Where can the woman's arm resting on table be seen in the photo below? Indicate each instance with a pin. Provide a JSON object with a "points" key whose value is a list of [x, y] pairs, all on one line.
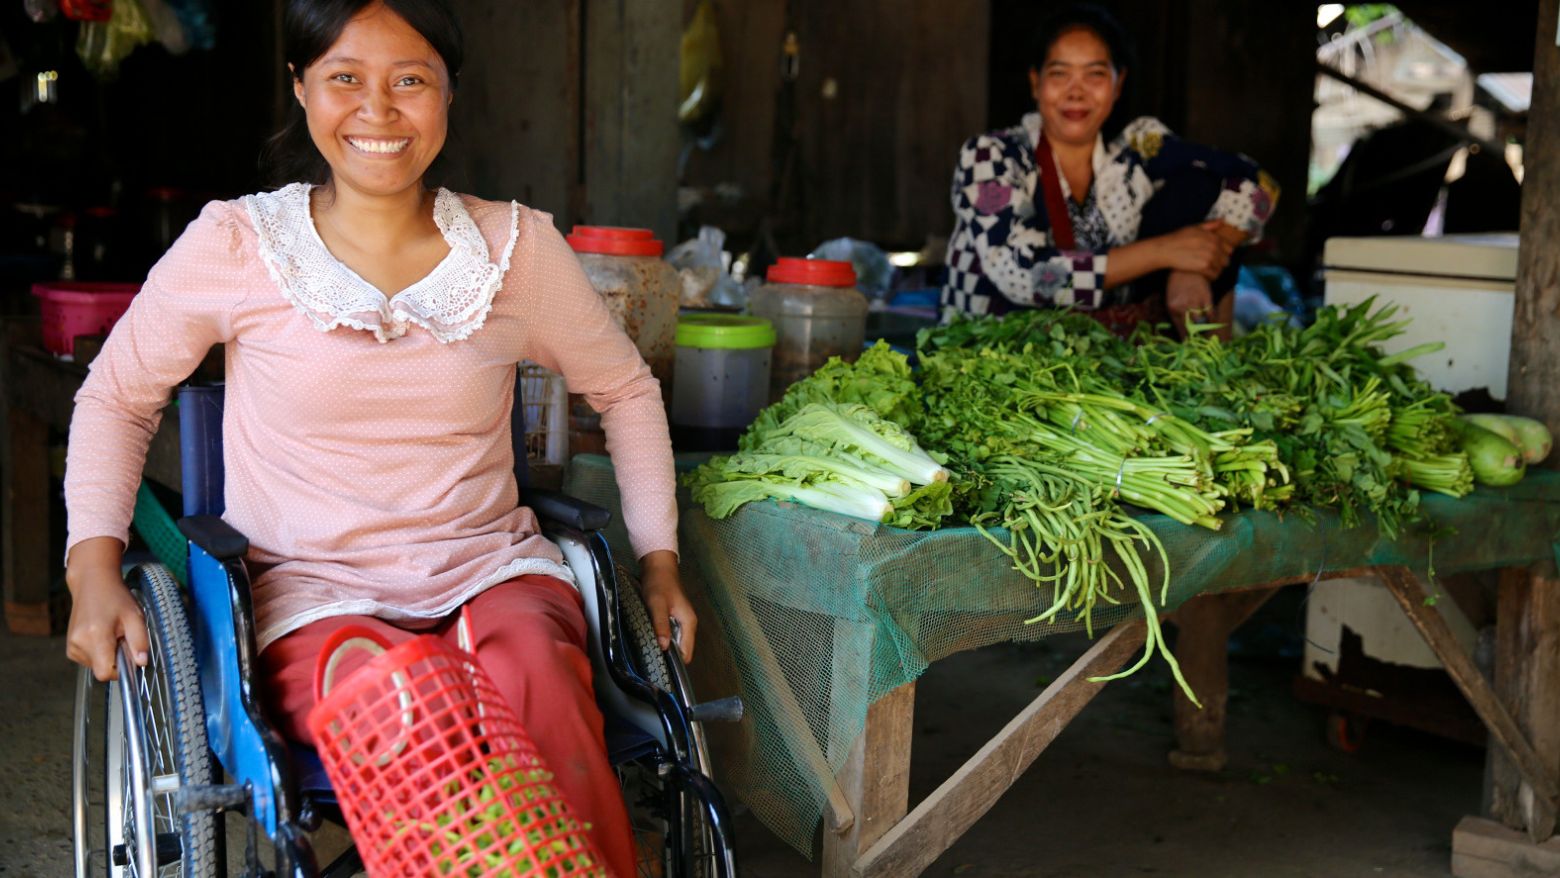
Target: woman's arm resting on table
{"points": [[1202, 249]]}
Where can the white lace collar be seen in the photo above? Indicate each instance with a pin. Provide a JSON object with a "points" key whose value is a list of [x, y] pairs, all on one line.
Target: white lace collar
{"points": [[451, 302]]}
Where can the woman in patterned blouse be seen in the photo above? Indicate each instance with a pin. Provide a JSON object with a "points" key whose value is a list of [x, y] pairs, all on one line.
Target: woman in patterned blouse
{"points": [[1144, 226]]}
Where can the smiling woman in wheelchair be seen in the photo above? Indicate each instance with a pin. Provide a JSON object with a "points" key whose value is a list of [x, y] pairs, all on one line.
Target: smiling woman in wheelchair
{"points": [[372, 329]]}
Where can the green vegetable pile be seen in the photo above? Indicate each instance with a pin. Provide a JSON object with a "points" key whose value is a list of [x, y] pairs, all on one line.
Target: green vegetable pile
{"points": [[837, 441], [1051, 431], [501, 817]]}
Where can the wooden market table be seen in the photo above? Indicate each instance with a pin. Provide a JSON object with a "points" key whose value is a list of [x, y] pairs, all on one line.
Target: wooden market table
{"points": [[822, 613], [36, 403]]}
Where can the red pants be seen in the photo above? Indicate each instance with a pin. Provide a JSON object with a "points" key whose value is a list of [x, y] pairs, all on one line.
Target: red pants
{"points": [[529, 634]]}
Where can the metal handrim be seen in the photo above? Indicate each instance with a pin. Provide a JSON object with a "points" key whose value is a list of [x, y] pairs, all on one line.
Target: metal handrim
{"points": [[79, 770], [701, 753], [137, 779]]}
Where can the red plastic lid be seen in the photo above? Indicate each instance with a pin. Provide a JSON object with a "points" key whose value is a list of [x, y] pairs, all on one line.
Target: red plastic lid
{"points": [[83, 291], [615, 241], [812, 272]]}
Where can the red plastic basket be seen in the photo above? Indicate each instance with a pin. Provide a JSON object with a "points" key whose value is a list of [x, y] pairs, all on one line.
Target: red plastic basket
{"points": [[434, 773], [80, 308]]}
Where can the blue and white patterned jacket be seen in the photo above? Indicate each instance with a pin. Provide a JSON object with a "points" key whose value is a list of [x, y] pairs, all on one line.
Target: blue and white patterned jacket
{"points": [[1001, 255]]}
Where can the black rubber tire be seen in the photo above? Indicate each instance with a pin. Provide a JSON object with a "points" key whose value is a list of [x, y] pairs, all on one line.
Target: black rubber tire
{"points": [[173, 668], [639, 634], [652, 663]]}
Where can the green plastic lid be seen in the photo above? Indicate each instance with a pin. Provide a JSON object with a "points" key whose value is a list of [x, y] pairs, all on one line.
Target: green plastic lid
{"points": [[724, 332]]}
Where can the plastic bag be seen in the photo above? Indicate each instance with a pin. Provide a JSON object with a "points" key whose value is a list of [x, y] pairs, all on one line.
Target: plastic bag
{"points": [[874, 273], [699, 66], [704, 266], [102, 45]]}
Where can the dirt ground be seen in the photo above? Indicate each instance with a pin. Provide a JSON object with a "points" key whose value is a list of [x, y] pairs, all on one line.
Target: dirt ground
{"points": [[1102, 801]]}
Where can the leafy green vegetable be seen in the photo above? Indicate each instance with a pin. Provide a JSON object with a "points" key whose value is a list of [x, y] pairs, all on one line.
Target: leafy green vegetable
{"points": [[879, 379], [502, 816], [833, 443]]}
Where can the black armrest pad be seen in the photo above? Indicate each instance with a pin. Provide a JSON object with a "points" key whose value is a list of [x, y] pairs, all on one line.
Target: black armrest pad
{"points": [[567, 510], [219, 539]]}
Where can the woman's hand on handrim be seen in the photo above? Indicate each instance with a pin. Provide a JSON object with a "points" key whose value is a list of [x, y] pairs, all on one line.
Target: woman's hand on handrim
{"points": [[662, 590]]}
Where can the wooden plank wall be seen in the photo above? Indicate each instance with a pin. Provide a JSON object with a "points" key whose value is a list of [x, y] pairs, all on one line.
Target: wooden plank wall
{"points": [[909, 85], [514, 126], [886, 93], [1250, 88], [630, 107], [887, 90], [571, 107]]}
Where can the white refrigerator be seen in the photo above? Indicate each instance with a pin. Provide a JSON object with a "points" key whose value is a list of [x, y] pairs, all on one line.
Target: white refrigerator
{"points": [[1458, 290]]}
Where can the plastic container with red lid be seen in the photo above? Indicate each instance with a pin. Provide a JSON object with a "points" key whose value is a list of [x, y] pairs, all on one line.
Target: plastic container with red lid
{"points": [[72, 308], [817, 313], [641, 290]]}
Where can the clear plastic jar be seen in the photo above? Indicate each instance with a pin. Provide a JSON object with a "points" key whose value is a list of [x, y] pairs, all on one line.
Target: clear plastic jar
{"points": [[817, 313], [722, 379], [641, 290]]}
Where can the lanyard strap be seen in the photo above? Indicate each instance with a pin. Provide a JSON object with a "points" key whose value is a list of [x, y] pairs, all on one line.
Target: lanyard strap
{"points": [[1055, 202]]}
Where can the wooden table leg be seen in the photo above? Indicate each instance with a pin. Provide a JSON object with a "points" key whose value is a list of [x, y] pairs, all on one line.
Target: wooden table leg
{"points": [[916, 841], [875, 780], [1538, 804], [24, 514], [1202, 649]]}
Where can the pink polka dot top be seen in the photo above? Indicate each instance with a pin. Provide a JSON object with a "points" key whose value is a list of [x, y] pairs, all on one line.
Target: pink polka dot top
{"points": [[366, 439]]}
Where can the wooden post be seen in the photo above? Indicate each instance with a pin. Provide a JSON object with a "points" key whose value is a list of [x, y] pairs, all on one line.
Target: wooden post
{"points": [[1527, 638], [1202, 650], [1534, 381], [630, 112], [1528, 612]]}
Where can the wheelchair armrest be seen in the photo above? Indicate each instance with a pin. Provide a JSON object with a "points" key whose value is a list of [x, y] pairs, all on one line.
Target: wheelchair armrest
{"points": [[219, 539], [566, 510]]}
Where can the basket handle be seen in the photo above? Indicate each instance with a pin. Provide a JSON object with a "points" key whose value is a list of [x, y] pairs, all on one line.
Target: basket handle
{"points": [[341, 643]]}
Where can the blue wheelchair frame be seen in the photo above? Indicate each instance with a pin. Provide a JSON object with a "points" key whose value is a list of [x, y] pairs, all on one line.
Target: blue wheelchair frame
{"points": [[283, 786]]}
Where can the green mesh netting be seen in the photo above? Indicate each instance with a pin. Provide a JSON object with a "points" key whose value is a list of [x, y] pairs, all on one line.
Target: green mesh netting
{"points": [[811, 616]]}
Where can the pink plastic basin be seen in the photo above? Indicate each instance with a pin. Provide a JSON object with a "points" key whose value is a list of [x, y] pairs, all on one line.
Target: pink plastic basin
{"points": [[72, 308]]}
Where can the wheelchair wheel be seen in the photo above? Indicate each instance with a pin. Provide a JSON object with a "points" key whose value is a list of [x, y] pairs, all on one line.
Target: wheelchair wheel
{"points": [[644, 651], [137, 741], [670, 825]]}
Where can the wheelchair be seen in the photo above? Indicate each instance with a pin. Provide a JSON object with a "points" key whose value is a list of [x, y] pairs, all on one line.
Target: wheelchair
{"points": [[161, 755]]}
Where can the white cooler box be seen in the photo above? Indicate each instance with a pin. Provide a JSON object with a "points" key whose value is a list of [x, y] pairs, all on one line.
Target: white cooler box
{"points": [[1458, 290]]}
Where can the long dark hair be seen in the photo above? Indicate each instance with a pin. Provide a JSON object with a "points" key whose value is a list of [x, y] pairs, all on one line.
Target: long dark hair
{"points": [[310, 28], [1117, 39]]}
